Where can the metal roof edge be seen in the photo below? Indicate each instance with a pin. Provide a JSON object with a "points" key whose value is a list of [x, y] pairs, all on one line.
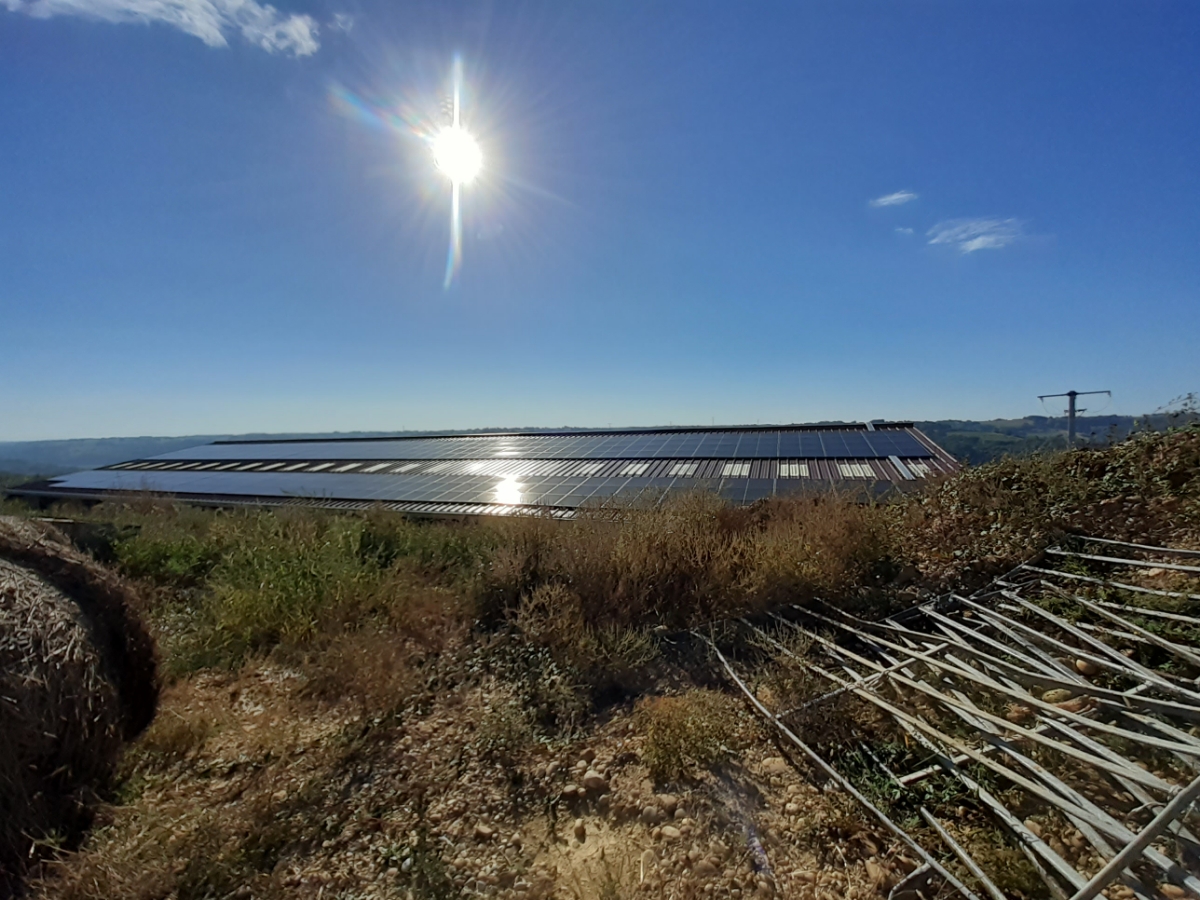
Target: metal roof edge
{"points": [[682, 429]]}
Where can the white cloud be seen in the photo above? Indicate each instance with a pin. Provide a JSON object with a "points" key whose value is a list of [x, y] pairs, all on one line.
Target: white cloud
{"points": [[342, 22], [904, 231], [210, 20], [969, 235], [895, 199]]}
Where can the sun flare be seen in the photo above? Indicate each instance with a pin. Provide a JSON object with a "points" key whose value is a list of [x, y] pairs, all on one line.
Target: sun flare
{"points": [[457, 155]]}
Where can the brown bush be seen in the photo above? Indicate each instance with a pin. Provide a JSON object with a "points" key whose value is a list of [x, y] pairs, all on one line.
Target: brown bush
{"points": [[987, 519], [689, 732], [690, 560]]}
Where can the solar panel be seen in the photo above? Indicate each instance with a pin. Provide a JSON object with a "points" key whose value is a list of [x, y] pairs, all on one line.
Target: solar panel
{"points": [[499, 472]]}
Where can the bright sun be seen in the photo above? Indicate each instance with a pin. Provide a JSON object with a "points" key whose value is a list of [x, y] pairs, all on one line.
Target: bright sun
{"points": [[456, 153]]}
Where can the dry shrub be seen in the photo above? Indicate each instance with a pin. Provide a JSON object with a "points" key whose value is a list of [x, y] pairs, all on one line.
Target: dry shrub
{"points": [[823, 545], [690, 560], [379, 662], [187, 851], [987, 519], [375, 670], [172, 738], [607, 658], [691, 731], [505, 729], [77, 677]]}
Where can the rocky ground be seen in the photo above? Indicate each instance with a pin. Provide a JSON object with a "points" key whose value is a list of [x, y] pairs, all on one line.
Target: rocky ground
{"points": [[247, 788]]}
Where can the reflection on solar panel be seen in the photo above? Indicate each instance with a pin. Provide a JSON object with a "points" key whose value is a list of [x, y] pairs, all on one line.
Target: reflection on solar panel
{"points": [[855, 470], [552, 473]]}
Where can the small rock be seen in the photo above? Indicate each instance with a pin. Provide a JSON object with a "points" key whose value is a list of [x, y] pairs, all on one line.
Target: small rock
{"points": [[1034, 827], [588, 755], [668, 803], [483, 832], [775, 765], [706, 868], [1085, 667], [594, 781], [648, 860], [651, 815], [580, 830], [570, 790], [680, 814], [1056, 695], [671, 833], [791, 808]]}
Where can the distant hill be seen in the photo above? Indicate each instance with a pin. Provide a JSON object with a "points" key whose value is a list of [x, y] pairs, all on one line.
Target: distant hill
{"points": [[977, 442], [969, 441]]}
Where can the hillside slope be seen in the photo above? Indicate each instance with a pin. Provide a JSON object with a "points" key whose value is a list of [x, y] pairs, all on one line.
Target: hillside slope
{"points": [[368, 707]]}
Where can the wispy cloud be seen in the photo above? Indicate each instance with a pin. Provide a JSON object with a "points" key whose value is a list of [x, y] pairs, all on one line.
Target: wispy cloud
{"points": [[895, 199], [969, 235], [210, 20], [902, 230], [342, 22]]}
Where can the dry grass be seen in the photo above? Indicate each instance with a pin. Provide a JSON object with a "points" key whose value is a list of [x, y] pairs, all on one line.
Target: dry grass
{"points": [[688, 561], [690, 732]]}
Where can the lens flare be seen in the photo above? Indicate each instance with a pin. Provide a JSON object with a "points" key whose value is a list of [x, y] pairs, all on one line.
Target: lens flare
{"points": [[454, 150], [456, 154]]}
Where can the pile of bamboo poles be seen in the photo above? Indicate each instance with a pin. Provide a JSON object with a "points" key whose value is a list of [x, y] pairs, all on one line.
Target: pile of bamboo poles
{"points": [[1062, 679]]}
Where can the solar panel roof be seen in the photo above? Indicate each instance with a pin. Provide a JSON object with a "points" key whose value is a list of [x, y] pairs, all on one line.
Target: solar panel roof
{"points": [[503, 473], [742, 444]]}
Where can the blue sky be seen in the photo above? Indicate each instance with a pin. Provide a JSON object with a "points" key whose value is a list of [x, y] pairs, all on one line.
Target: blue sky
{"points": [[689, 212]]}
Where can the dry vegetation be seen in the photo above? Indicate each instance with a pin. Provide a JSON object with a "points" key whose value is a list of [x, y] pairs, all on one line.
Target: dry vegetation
{"points": [[368, 706]]}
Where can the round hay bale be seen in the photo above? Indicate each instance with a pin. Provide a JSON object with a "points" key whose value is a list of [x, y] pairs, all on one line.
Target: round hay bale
{"points": [[78, 677]]}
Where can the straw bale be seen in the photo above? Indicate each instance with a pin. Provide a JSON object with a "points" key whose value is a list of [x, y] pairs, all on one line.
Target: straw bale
{"points": [[78, 676]]}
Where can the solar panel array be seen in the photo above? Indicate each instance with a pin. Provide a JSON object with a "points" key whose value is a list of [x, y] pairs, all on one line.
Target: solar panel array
{"points": [[500, 474], [833, 443]]}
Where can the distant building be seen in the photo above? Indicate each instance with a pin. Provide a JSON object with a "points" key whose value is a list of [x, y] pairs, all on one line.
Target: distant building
{"points": [[552, 473]]}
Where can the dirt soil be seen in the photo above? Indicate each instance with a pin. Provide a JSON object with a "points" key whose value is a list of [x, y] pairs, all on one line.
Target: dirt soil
{"points": [[246, 787]]}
